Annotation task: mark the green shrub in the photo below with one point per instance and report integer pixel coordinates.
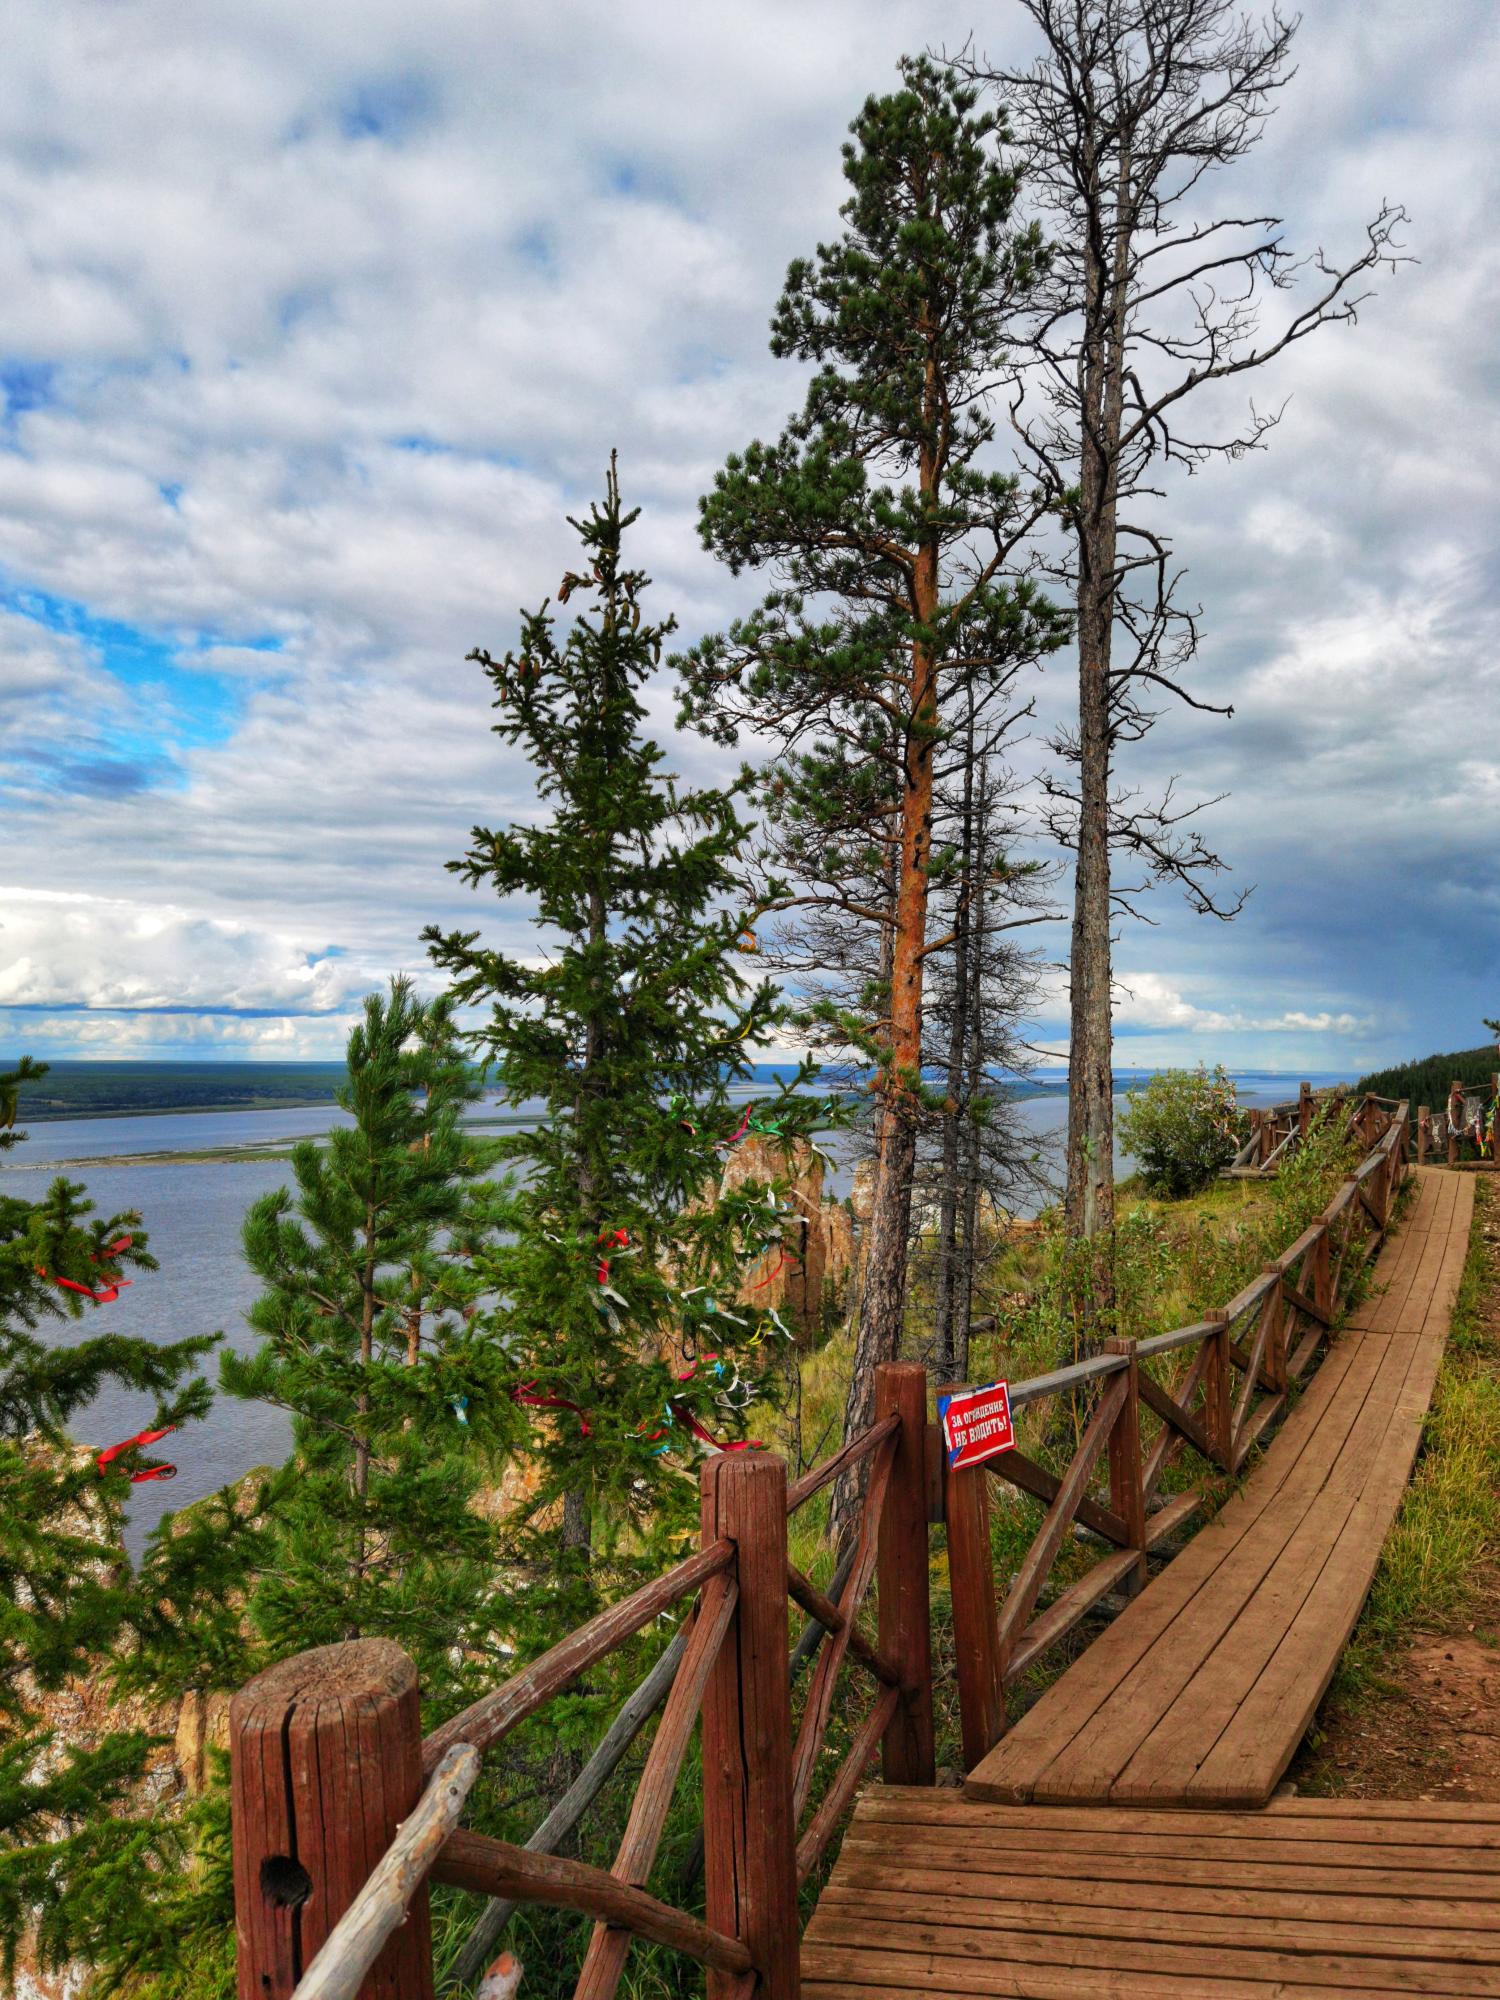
(1181, 1129)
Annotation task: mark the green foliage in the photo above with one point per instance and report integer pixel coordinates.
(78, 1868)
(1427, 1081)
(373, 1271)
(889, 540)
(1182, 1127)
(622, 1261)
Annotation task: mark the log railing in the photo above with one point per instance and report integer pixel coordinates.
(343, 1812)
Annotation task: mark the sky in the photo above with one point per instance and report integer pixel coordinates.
(317, 321)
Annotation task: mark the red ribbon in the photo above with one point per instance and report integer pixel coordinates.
(740, 1130)
(142, 1438)
(107, 1295)
(775, 1271)
(526, 1394)
(706, 1436)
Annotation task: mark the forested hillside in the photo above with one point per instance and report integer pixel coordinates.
(1428, 1081)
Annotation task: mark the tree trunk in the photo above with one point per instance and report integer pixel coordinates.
(883, 1300)
(945, 1307)
(1091, 1179)
(973, 1086)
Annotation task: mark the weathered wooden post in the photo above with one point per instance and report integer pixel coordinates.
(1455, 1091)
(1218, 1401)
(1322, 1275)
(907, 1756)
(978, 1665)
(1424, 1133)
(749, 1837)
(325, 1755)
(1127, 1484)
(1275, 1315)
(1304, 1108)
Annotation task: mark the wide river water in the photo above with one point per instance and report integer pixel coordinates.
(192, 1211)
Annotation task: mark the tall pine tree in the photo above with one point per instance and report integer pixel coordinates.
(892, 543)
(616, 1295)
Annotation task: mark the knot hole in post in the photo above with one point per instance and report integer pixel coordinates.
(284, 1881)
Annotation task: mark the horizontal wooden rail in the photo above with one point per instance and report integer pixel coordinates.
(859, 1447)
(485, 1721)
(496, 1868)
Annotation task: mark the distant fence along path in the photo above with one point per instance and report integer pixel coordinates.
(342, 1812)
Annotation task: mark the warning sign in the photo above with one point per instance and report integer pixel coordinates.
(976, 1423)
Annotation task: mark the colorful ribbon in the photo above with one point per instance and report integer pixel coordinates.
(125, 1444)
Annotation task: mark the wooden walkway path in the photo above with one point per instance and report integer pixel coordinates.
(1046, 1879)
(1200, 1692)
(1307, 1900)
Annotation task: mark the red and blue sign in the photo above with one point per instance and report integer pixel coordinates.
(976, 1424)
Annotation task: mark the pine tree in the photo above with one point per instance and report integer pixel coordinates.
(369, 1338)
(78, 1867)
(617, 1292)
(893, 545)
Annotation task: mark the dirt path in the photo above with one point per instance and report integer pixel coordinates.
(1426, 1723)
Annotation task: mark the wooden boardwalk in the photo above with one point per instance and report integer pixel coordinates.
(1306, 1900)
(1118, 1843)
(1200, 1692)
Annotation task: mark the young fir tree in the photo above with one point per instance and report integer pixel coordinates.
(893, 543)
(400, 1414)
(618, 1290)
(79, 1866)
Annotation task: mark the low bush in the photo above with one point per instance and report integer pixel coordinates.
(1181, 1129)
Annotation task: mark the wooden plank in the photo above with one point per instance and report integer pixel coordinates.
(1166, 1520)
(1290, 1932)
(1360, 1973)
(1461, 1823)
(1001, 1840)
(1244, 1897)
(847, 1969)
(1466, 1885)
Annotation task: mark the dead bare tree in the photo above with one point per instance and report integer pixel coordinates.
(1150, 296)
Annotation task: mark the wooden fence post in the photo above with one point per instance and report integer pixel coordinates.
(976, 1625)
(1276, 1313)
(325, 1757)
(1304, 1108)
(1127, 1488)
(1322, 1275)
(749, 1837)
(1424, 1133)
(905, 1614)
(1218, 1399)
(1456, 1085)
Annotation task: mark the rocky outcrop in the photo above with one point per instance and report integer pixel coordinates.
(812, 1269)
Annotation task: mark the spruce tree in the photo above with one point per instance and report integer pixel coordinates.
(616, 1296)
(368, 1322)
(79, 1866)
(892, 542)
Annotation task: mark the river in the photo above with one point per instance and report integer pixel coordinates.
(193, 1211)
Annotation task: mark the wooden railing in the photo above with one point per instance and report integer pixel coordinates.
(343, 1812)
